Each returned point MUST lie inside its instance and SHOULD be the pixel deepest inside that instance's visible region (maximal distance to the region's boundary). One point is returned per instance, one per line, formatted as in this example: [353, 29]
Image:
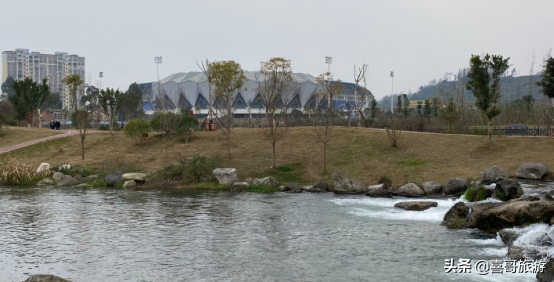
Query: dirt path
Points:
[36, 141]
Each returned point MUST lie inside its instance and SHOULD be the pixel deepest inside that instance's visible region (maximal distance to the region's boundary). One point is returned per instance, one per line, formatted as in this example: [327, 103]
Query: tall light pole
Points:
[328, 61]
[392, 92]
[100, 75]
[158, 61]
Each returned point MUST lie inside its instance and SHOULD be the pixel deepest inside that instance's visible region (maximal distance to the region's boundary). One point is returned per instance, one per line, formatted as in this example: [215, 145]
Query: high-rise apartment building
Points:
[21, 63]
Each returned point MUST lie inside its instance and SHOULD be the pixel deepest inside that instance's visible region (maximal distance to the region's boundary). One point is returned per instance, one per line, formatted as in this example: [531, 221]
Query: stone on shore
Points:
[129, 184]
[532, 170]
[411, 189]
[136, 176]
[225, 176]
[344, 185]
[57, 176]
[416, 205]
[455, 186]
[113, 178]
[43, 167]
[432, 188]
[292, 187]
[321, 185]
[378, 191]
[241, 184]
[68, 181]
[45, 278]
[269, 181]
[46, 182]
[490, 175]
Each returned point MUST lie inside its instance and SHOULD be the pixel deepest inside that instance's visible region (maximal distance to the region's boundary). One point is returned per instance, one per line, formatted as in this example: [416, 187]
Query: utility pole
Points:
[328, 61]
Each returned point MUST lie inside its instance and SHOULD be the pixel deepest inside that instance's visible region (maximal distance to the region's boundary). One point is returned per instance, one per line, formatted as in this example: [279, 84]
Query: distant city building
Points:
[190, 91]
[21, 63]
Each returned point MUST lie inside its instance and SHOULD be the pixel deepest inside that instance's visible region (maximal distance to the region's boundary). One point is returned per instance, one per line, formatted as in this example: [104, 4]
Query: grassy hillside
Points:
[10, 136]
[360, 153]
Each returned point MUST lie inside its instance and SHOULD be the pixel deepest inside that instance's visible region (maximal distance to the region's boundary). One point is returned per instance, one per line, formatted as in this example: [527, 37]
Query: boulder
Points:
[411, 189]
[136, 176]
[416, 205]
[432, 188]
[84, 185]
[64, 167]
[455, 186]
[266, 181]
[92, 177]
[46, 182]
[312, 189]
[292, 187]
[493, 217]
[45, 278]
[249, 180]
[43, 167]
[129, 183]
[507, 189]
[516, 253]
[490, 175]
[378, 191]
[508, 236]
[344, 185]
[456, 217]
[57, 176]
[225, 176]
[112, 179]
[241, 184]
[547, 275]
[321, 185]
[532, 170]
[68, 181]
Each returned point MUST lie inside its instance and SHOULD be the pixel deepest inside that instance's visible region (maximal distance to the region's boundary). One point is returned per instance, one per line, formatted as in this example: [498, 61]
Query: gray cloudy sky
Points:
[419, 40]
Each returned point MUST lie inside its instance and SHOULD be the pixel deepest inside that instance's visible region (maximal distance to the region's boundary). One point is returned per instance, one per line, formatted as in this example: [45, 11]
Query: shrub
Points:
[385, 180]
[193, 170]
[174, 124]
[474, 194]
[284, 168]
[262, 189]
[15, 172]
[98, 183]
[137, 128]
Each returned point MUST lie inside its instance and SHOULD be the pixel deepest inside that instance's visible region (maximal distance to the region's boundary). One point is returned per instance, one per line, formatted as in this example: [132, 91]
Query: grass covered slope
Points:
[10, 136]
[359, 153]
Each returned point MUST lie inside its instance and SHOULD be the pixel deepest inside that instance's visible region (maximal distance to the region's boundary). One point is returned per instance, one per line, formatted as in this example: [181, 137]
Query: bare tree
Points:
[394, 129]
[276, 91]
[81, 118]
[324, 121]
[358, 104]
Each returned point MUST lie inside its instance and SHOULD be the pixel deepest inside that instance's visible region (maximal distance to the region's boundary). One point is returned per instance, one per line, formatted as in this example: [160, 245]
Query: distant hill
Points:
[511, 88]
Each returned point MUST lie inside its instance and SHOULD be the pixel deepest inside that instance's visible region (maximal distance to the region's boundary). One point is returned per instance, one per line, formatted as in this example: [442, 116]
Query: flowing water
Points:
[126, 235]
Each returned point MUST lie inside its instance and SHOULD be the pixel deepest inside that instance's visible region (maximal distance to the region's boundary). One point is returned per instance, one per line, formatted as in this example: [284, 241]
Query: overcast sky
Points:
[419, 40]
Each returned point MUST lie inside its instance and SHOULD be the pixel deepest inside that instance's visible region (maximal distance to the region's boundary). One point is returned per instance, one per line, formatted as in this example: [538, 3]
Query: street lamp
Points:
[158, 61]
[392, 91]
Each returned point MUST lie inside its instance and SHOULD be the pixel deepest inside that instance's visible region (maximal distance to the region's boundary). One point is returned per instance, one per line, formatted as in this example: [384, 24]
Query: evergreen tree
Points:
[547, 82]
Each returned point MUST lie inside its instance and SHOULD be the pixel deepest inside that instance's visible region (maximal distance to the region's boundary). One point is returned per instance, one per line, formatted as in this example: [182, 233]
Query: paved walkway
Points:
[33, 142]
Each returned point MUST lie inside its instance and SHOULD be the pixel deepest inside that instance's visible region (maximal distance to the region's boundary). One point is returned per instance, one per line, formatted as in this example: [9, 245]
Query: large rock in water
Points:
[411, 189]
[45, 278]
[508, 236]
[346, 185]
[455, 186]
[507, 189]
[378, 191]
[548, 274]
[531, 170]
[456, 217]
[490, 175]
[493, 217]
[225, 176]
[416, 205]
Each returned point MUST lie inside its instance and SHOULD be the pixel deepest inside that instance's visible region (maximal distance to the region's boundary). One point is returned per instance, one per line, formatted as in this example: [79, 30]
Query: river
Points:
[159, 235]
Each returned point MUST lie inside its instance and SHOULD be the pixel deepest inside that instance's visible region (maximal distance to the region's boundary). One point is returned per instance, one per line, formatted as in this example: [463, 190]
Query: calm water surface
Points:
[125, 235]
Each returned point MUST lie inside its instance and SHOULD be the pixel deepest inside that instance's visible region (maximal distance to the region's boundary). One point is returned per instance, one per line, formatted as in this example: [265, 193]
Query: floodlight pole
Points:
[100, 75]
[158, 61]
[328, 61]
[392, 91]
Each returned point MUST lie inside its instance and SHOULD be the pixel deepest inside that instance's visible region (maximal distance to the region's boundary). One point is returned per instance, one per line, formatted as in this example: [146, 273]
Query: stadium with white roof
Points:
[189, 90]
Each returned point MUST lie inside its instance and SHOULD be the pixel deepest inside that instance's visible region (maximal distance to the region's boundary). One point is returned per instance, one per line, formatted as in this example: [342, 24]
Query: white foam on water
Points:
[432, 214]
[487, 242]
[500, 252]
